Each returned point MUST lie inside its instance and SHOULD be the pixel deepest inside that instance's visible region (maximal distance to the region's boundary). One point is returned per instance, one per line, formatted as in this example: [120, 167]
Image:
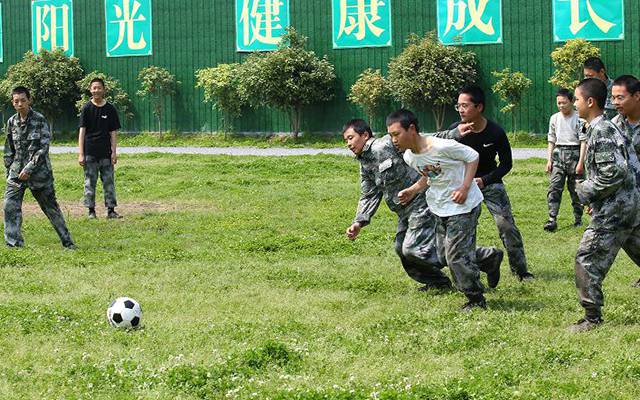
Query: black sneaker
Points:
[551, 225]
[526, 277]
[584, 325]
[431, 287]
[474, 303]
[493, 270]
[112, 214]
[92, 214]
[636, 284]
[70, 246]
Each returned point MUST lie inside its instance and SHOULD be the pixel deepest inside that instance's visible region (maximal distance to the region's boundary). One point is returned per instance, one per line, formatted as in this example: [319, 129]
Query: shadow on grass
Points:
[511, 305]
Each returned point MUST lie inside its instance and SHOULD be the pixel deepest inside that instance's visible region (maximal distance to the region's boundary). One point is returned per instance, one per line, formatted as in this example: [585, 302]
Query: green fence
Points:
[193, 34]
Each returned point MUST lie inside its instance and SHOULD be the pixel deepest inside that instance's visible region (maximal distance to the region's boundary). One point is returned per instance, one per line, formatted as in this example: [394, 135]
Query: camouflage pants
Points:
[457, 235]
[46, 198]
[596, 253]
[104, 168]
[497, 202]
[565, 160]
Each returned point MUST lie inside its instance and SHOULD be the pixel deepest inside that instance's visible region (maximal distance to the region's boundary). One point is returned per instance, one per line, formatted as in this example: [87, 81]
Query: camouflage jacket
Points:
[631, 132]
[612, 169]
[26, 149]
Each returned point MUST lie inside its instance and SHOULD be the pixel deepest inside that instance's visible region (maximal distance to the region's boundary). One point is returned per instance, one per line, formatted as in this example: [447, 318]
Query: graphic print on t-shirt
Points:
[431, 170]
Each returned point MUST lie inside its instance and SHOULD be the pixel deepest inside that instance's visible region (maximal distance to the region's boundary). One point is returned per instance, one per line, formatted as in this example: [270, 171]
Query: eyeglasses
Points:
[464, 106]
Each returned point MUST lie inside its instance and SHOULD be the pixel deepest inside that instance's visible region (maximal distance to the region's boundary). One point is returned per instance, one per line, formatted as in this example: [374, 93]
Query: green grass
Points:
[250, 290]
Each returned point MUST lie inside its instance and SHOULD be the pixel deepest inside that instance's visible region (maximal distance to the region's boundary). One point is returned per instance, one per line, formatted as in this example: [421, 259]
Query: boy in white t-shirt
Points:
[565, 158]
[448, 168]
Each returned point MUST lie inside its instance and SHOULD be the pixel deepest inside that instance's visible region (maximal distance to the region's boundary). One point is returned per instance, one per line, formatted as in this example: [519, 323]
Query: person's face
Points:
[590, 73]
[20, 102]
[401, 137]
[97, 90]
[354, 141]
[581, 104]
[624, 102]
[467, 109]
[564, 105]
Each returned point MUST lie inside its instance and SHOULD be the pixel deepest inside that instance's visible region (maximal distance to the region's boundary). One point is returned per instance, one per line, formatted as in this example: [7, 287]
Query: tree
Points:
[114, 93]
[568, 61]
[221, 86]
[428, 75]
[288, 78]
[51, 78]
[5, 100]
[370, 93]
[157, 83]
[511, 87]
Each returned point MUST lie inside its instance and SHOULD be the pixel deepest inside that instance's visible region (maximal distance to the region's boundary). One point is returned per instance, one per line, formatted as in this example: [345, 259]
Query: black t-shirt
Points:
[491, 141]
[99, 121]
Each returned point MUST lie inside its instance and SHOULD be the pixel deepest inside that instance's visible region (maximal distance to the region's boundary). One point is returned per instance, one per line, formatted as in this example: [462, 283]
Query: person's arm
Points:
[456, 131]
[370, 198]
[583, 152]
[81, 135]
[9, 149]
[38, 147]
[505, 161]
[471, 158]
[551, 144]
[611, 169]
[114, 146]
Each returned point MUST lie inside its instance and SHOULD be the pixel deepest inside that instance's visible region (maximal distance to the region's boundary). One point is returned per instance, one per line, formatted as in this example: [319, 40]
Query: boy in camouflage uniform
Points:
[565, 158]
[625, 96]
[26, 157]
[593, 67]
[383, 173]
[612, 193]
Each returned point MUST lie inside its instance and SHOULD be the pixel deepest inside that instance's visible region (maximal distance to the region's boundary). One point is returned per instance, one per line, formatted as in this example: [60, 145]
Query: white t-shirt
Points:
[566, 130]
[444, 165]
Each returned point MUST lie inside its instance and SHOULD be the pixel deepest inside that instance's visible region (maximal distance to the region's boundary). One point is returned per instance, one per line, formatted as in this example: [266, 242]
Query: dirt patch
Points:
[77, 209]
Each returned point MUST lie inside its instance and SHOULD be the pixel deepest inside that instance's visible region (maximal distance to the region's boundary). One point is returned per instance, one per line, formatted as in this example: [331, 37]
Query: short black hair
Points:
[475, 92]
[595, 88]
[21, 90]
[630, 82]
[359, 126]
[96, 79]
[565, 93]
[594, 63]
[405, 117]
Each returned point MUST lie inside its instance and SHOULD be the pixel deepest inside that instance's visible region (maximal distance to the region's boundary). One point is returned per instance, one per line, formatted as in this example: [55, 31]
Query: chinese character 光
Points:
[360, 15]
[577, 25]
[476, 10]
[128, 16]
[260, 19]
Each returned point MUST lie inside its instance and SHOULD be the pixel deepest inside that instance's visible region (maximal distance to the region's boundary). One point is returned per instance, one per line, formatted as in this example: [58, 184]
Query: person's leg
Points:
[554, 194]
[489, 260]
[46, 198]
[632, 248]
[13, 196]
[108, 183]
[419, 250]
[578, 208]
[90, 179]
[497, 202]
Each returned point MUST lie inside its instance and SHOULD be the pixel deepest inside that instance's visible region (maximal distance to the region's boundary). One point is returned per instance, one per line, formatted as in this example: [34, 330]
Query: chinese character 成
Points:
[476, 9]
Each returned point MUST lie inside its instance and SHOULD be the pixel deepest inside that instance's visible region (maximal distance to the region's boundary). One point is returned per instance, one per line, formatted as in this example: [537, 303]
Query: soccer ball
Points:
[125, 313]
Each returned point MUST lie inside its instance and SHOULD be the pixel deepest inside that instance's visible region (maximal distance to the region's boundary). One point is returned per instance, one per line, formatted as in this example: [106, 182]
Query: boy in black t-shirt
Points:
[97, 148]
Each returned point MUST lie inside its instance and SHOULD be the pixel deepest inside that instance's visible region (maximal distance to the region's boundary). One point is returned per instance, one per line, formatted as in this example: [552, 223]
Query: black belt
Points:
[568, 146]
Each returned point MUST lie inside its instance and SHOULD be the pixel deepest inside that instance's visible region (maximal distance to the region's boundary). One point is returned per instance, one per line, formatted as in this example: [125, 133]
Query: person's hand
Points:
[114, 158]
[81, 159]
[23, 176]
[353, 231]
[405, 196]
[579, 169]
[465, 128]
[479, 182]
[589, 210]
[549, 167]
[459, 195]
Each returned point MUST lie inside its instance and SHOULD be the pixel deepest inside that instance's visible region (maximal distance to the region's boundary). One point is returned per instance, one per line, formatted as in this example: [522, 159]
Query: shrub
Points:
[568, 61]
[511, 87]
[157, 83]
[114, 93]
[370, 93]
[221, 87]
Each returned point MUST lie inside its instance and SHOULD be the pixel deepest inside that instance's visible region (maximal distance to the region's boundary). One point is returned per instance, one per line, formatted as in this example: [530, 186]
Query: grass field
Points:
[250, 290]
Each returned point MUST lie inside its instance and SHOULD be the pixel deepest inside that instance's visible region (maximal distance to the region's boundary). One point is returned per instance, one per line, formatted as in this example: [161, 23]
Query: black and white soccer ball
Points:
[125, 313]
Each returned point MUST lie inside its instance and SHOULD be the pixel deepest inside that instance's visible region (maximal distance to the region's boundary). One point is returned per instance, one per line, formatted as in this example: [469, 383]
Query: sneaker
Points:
[474, 303]
[526, 277]
[112, 214]
[584, 325]
[431, 287]
[92, 214]
[70, 246]
[493, 270]
[636, 284]
[551, 225]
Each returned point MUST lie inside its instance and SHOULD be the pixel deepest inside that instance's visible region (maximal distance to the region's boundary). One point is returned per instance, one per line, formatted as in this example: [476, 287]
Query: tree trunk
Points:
[295, 119]
[438, 116]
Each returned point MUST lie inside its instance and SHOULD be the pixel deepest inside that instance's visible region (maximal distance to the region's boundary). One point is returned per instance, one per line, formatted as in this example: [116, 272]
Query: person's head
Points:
[470, 103]
[625, 95]
[593, 67]
[564, 101]
[96, 87]
[590, 97]
[21, 99]
[402, 126]
[356, 133]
